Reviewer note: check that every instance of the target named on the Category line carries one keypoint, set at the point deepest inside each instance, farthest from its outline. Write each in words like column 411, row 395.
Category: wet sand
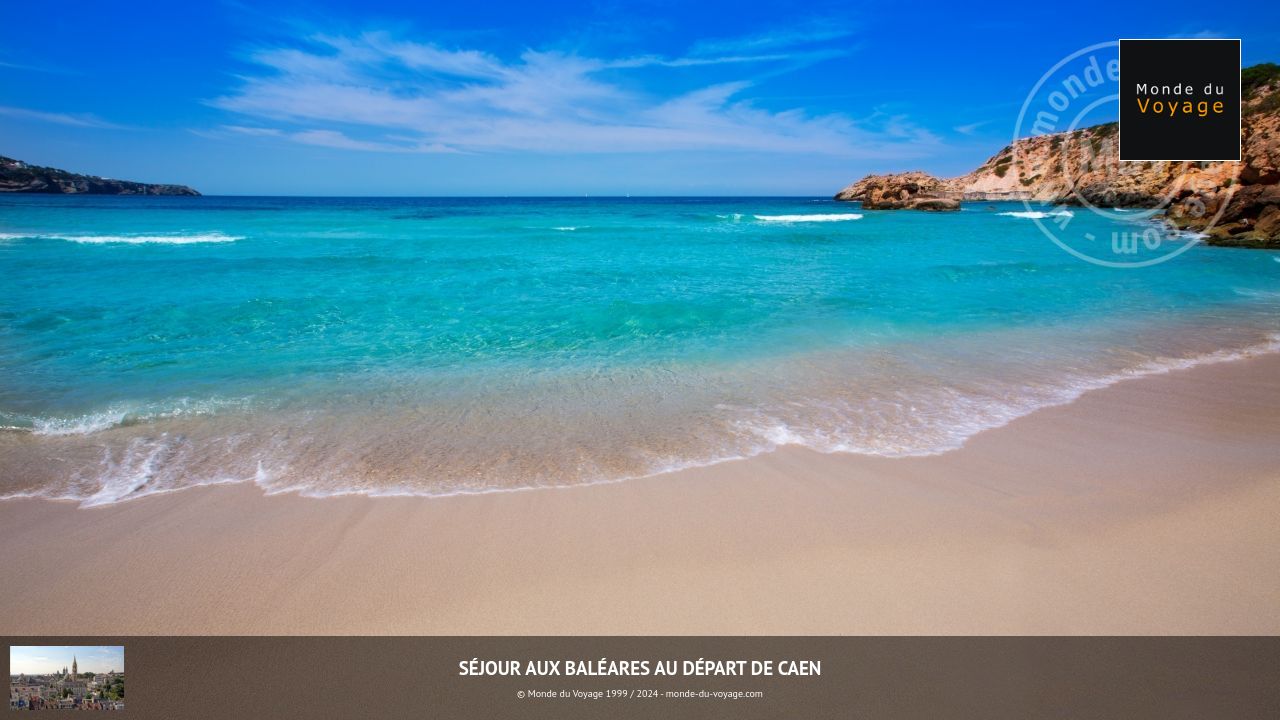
column 1148, row 507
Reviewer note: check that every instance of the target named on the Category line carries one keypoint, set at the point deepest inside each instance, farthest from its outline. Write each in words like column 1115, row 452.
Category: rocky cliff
column 1084, row 164
column 19, row 177
column 913, row 190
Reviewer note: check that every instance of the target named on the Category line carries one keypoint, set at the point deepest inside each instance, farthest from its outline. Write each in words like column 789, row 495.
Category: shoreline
column 1065, row 395
column 1143, row 507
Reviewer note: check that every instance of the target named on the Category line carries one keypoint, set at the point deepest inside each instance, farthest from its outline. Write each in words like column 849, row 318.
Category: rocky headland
column 1083, row 165
column 914, row 190
column 19, row 177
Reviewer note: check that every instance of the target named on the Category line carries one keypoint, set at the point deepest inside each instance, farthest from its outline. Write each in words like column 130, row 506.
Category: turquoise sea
column 436, row 346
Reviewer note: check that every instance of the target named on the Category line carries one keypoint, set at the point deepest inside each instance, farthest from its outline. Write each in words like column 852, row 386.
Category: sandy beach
column 1148, row 507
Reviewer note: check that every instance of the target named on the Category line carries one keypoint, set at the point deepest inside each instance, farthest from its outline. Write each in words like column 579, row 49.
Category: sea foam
column 1037, row 214
column 167, row 239
column 166, row 461
column 825, row 217
column 118, row 415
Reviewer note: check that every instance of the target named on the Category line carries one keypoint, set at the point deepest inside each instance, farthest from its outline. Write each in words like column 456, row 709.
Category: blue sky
column 605, row 98
column 45, row 659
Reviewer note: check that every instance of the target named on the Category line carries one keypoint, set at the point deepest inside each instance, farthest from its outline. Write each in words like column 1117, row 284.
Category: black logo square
column 1180, row 100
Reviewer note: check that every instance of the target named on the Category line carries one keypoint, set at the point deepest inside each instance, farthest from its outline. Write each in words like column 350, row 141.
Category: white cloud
column 36, row 68
column 335, row 139
column 1198, row 35
column 256, row 131
column 376, row 92
column 329, row 138
column 971, row 128
column 811, row 32
column 76, row 120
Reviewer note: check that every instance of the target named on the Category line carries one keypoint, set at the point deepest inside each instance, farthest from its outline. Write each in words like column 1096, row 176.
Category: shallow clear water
column 433, row 346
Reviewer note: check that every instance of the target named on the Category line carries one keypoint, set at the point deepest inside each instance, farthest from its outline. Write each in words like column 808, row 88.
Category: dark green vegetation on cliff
column 19, row 177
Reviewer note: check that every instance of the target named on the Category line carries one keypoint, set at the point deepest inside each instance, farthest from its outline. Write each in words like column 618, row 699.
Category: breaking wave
column 117, row 415
column 166, row 239
column 1037, row 214
column 824, row 217
column 368, row 455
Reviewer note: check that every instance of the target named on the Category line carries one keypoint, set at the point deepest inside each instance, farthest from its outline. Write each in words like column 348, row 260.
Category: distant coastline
column 17, row 176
